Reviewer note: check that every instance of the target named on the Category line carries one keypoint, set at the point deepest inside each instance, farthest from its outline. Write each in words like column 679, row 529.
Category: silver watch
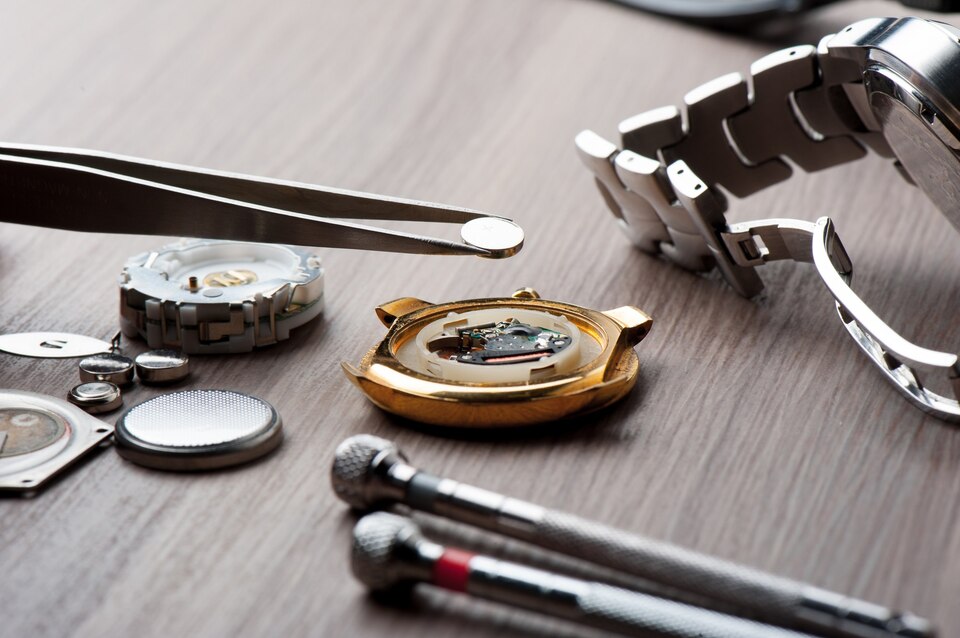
column 885, row 84
column 211, row 296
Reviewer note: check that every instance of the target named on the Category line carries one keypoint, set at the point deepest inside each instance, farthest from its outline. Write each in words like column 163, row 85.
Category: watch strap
column 802, row 104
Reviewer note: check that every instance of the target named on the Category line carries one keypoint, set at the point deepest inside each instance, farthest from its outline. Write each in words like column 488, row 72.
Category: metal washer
column 198, row 430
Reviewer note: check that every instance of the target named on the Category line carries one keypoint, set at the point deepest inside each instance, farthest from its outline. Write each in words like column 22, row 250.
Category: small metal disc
column 52, row 345
column 162, row 366
column 111, row 367
column 501, row 237
column 96, row 397
column 198, row 430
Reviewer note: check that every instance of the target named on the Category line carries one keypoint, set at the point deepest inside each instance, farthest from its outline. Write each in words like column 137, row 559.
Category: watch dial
column 933, row 165
column 23, row 430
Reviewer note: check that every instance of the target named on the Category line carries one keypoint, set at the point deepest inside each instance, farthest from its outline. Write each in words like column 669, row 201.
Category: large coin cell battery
column 216, row 297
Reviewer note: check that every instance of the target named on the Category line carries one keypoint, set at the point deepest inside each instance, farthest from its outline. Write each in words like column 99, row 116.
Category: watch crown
column 526, row 293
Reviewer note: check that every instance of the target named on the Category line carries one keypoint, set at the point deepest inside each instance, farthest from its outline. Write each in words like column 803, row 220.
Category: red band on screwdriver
column 452, row 570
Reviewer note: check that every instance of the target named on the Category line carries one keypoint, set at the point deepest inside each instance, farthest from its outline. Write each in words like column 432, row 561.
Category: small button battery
column 114, row 368
column 96, row 397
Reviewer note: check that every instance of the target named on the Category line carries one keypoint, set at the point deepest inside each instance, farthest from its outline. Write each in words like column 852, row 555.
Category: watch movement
column 217, row 296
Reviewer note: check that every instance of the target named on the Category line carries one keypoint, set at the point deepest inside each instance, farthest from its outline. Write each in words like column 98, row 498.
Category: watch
column 500, row 362
column 211, row 296
column 885, row 84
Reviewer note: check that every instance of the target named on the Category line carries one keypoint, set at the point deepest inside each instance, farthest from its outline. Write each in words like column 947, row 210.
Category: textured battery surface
column 197, row 418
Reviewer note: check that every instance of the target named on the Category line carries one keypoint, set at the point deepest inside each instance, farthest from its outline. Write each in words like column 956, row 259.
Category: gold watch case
column 605, row 373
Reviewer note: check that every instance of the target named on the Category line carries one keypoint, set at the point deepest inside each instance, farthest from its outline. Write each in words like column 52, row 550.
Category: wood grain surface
column 757, row 431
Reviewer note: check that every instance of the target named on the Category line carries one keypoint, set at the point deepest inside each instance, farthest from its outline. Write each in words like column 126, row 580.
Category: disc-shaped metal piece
column 96, row 397
column 52, row 345
column 40, row 436
column 217, row 297
column 111, row 367
column 162, row 366
column 501, row 237
column 198, row 430
column 921, row 137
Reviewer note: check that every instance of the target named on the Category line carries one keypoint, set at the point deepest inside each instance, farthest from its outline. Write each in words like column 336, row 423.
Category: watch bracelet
column 801, row 103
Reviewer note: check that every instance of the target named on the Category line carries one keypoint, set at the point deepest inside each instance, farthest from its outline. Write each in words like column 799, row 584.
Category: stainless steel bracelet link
column 804, row 104
column 758, row 242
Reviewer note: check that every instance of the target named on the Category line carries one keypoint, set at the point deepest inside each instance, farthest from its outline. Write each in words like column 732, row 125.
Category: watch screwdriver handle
column 668, row 564
column 770, row 597
column 370, row 472
column 390, row 551
column 621, row 610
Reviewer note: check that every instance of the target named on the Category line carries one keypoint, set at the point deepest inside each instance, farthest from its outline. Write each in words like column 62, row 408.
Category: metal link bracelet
column 805, row 104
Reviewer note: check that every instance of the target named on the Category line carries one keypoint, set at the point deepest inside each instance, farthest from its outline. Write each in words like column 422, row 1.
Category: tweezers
column 83, row 190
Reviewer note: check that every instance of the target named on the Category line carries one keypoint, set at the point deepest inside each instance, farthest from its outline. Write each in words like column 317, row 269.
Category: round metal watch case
column 398, row 376
column 909, row 68
column 219, row 297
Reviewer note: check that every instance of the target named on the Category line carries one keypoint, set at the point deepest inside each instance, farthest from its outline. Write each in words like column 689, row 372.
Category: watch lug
column 353, row 373
column 387, row 313
column 634, row 323
column 852, row 42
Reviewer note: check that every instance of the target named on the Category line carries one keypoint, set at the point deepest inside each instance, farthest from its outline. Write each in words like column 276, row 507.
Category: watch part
column 26, row 431
column 207, row 296
column 918, row 133
column 495, row 346
column 40, row 436
column 162, row 366
column 52, row 345
column 500, row 362
column 112, row 367
column 198, row 430
column 96, row 397
column 501, row 237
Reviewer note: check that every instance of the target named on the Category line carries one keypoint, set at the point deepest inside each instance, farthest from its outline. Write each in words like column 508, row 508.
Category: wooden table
column 757, row 432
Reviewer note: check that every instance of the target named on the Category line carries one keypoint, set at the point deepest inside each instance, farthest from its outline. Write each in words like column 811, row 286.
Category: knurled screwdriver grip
column 369, row 471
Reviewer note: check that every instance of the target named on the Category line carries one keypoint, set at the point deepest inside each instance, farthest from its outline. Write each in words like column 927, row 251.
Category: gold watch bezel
column 421, row 397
